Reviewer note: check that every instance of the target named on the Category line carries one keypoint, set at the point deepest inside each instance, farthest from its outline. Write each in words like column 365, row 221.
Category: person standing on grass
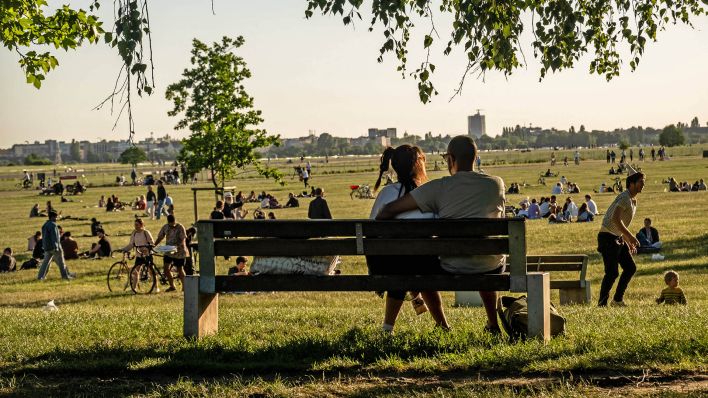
column 52, row 249
column 616, row 243
column 161, row 196
column 175, row 235
column 464, row 194
column 305, row 177
column 319, row 210
column 151, row 201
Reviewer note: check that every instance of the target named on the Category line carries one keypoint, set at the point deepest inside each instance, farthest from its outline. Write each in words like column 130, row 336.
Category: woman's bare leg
column 434, row 302
column 393, row 307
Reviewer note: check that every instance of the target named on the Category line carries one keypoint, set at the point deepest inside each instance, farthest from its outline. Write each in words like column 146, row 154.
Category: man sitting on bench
column 465, row 194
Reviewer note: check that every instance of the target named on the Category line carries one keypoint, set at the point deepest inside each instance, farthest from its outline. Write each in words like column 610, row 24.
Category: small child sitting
column 672, row 294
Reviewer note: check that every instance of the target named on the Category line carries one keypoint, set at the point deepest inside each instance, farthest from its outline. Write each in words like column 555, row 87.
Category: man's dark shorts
column 177, row 262
column 143, row 260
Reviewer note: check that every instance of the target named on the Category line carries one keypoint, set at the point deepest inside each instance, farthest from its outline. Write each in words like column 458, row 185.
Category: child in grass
column 672, row 294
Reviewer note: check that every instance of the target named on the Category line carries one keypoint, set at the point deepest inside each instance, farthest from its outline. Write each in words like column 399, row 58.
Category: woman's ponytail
column 383, row 167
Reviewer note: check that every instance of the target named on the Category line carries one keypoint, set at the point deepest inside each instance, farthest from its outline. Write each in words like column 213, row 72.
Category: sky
column 318, row 75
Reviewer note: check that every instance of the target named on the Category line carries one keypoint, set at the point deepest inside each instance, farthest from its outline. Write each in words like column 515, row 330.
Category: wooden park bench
column 361, row 237
column 571, row 291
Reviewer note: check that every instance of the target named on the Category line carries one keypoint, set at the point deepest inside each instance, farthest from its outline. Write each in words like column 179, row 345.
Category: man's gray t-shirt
column 467, row 194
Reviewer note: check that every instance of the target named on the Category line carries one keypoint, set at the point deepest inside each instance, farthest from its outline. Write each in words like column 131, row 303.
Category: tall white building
column 476, row 125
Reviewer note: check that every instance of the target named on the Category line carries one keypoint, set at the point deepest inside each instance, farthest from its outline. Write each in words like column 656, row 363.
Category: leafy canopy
column 24, row 24
column 132, row 156
column 489, row 31
column 671, row 136
column 215, row 107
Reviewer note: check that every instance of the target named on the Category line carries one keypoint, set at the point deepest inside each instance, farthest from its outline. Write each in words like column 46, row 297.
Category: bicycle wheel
column 142, row 279
column 118, row 278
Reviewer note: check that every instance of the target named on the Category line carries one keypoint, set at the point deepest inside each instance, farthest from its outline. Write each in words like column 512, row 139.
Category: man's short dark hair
column 67, row 234
column 634, row 178
column 240, row 259
column 171, row 218
column 464, row 151
column 318, row 191
column 52, row 214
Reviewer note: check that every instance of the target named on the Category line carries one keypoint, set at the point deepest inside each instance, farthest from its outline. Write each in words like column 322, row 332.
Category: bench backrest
column 562, row 263
column 362, row 237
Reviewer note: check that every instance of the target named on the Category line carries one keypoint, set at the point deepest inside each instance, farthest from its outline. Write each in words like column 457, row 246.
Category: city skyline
column 319, row 75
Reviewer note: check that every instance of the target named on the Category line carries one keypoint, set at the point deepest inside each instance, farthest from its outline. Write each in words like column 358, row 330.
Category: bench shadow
column 349, row 352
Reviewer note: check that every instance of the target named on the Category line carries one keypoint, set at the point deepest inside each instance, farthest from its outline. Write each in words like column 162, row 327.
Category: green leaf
column 427, row 41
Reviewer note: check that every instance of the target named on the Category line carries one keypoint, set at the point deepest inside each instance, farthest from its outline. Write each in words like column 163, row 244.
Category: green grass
column 304, row 344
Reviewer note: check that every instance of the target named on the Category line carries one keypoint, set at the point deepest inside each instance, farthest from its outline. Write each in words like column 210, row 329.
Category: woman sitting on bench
column 409, row 164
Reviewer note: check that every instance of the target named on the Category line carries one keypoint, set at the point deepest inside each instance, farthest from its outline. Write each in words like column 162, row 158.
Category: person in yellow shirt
column 672, row 294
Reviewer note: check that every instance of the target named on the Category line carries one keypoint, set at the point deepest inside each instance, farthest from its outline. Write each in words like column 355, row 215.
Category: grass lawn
column 316, row 344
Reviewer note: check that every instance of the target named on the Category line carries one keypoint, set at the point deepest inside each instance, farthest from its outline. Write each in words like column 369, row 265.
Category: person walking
column 319, row 210
column 52, row 249
column 175, row 235
column 161, row 196
column 616, row 243
column 151, row 201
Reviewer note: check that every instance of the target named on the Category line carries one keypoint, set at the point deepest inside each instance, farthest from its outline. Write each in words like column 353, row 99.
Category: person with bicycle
column 175, row 235
column 140, row 240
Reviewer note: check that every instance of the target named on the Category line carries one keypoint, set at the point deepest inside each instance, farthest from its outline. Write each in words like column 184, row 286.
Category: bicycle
column 118, row 278
column 143, row 277
column 24, row 184
column 361, row 192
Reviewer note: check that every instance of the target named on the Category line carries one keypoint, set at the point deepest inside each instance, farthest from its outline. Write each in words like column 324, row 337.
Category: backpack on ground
column 515, row 317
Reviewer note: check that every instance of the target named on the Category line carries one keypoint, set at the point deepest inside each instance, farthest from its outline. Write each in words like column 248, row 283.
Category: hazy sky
column 319, row 75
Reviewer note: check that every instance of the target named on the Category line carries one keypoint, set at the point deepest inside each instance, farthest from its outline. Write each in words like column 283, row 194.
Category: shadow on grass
column 675, row 250
column 63, row 301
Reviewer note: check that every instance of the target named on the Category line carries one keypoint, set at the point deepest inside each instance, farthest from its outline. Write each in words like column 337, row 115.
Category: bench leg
column 201, row 311
column 539, row 302
column 580, row 295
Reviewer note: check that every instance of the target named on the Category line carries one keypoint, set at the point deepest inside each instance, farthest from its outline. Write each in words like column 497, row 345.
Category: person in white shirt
column 570, row 209
column 409, row 164
column 524, row 211
column 592, row 206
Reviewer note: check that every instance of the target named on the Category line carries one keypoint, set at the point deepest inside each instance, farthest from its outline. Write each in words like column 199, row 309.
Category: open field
column 313, row 344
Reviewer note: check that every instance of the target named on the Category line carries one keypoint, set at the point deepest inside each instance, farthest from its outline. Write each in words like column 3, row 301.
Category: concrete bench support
column 539, row 302
column 201, row 310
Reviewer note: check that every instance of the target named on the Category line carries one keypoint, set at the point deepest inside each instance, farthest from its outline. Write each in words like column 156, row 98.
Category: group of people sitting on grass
column 675, row 186
column 565, row 186
column 112, row 203
column 513, row 188
column 549, row 208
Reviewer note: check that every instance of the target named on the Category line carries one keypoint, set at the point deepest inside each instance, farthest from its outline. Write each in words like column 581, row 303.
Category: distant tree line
column 516, row 137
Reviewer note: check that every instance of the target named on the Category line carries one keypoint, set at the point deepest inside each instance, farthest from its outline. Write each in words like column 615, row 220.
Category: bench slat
column 567, row 284
column 343, row 228
column 543, row 267
column 350, row 283
column 348, row 246
column 566, row 258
